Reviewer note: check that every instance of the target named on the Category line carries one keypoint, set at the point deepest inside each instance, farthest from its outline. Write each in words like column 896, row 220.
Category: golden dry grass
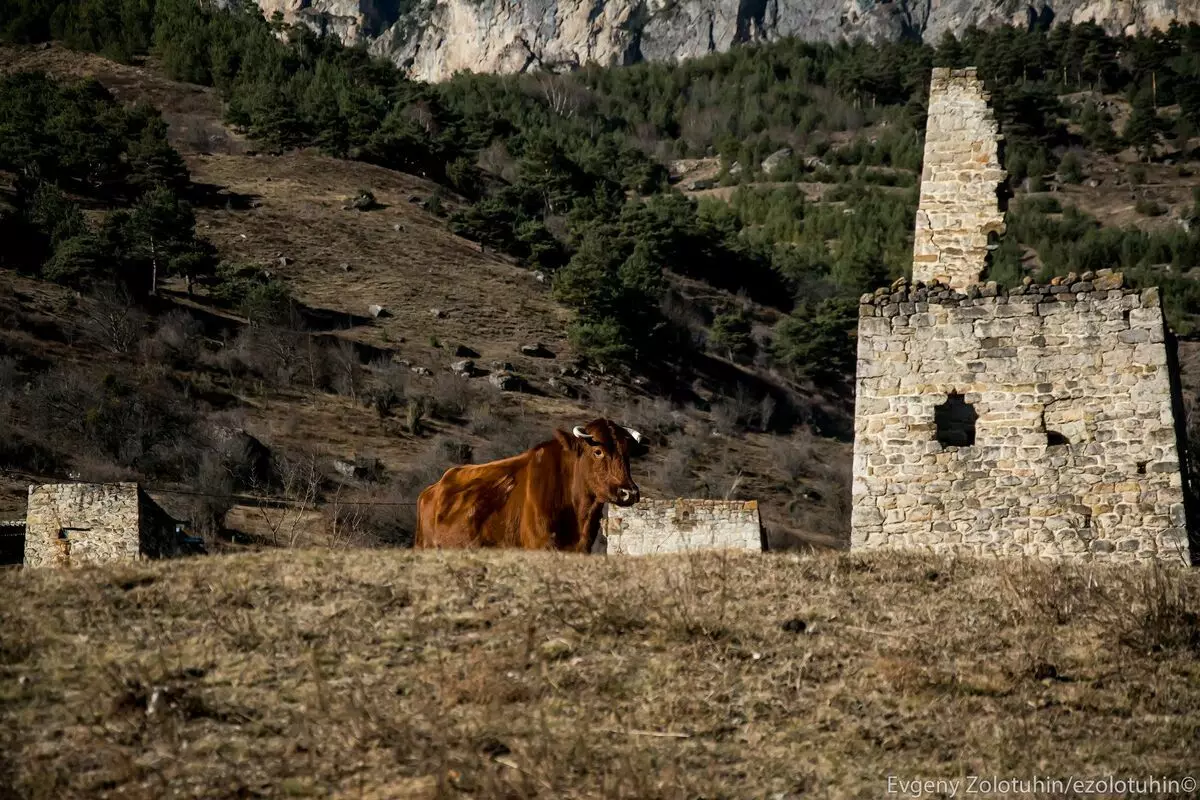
column 395, row 674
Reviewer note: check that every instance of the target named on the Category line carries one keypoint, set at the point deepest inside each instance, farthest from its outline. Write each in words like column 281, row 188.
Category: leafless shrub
column 517, row 434
column 485, row 420
column 271, row 354
column 496, row 159
column 414, row 415
column 345, row 371
column 656, row 418
column 794, row 457
column 451, row 451
column 1166, row 616
column 175, row 341
column 387, row 387
column 206, row 511
column 678, row 473
column 298, row 481
column 684, row 316
column 113, row 321
column 450, row 398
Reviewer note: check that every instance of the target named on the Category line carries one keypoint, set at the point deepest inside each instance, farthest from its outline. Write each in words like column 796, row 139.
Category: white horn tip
column 581, row 433
column 637, row 437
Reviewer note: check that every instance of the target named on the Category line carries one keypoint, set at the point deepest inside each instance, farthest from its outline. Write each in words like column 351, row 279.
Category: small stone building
column 76, row 523
column 670, row 526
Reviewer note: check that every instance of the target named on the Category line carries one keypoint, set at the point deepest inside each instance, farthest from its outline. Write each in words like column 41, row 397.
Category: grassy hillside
column 686, row 242
column 396, row 675
column 308, row 391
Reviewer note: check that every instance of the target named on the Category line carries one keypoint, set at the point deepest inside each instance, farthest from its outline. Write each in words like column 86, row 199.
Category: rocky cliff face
column 433, row 39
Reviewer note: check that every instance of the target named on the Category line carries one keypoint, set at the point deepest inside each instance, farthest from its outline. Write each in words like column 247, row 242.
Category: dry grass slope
column 394, row 675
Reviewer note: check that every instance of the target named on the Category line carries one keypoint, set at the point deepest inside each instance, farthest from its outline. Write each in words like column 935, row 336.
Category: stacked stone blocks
column 76, row 523
column 670, row 526
column 958, row 208
column 1075, row 451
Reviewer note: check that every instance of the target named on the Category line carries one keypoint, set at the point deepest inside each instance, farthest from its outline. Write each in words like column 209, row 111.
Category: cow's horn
column 581, row 433
column 637, row 437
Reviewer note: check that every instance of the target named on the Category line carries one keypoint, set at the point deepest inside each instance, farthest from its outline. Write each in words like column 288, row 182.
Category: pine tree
column 1144, row 129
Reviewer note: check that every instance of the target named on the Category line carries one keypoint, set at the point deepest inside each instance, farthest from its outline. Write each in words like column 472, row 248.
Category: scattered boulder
column 378, row 311
column 464, row 368
column 700, row 184
column 398, row 227
column 462, row 351
column 437, row 313
column 363, row 201
column 774, row 161
column 562, row 387
column 247, row 458
column 359, row 468
column 502, row 366
column 284, row 261
column 536, row 350
column 420, row 370
column 539, row 276
column 735, row 168
column 505, row 381
column 812, row 162
column 345, row 267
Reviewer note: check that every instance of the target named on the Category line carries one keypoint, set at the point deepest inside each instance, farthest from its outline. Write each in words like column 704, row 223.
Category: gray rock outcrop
column 432, row 39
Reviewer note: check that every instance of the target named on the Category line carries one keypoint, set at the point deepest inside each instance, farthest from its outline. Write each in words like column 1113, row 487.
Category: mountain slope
column 433, row 39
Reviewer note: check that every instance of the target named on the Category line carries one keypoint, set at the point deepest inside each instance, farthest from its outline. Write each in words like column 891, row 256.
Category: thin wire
column 249, row 498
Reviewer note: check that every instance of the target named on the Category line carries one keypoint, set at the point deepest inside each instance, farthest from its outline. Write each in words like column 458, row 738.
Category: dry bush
column 794, row 457
column 678, row 472
column 272, row 355
column 132, row 421
column 1166, row 613
column 655, row 417
column 296, row 479
column 486, row 420
column 515, row 434
column 112, row 320
column 176, row 341
column 342, row 367
column 722, row 479
column 206, row 511
column 387, row 387
column 450, row 397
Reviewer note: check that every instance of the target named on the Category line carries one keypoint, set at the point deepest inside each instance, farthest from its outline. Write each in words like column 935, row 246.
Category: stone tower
column 959, row 208
column 1038, row 421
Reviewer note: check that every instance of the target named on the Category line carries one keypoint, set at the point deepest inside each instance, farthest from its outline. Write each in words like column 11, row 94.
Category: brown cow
column 548, row 497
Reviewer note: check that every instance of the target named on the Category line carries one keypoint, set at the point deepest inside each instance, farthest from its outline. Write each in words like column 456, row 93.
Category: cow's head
column 603, row 448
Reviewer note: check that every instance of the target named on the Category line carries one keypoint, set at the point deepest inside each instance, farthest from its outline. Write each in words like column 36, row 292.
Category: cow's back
column 472, row 506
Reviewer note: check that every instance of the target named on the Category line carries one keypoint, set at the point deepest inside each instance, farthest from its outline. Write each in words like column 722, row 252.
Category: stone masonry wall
column 958, row 207
column 1075, row 450
column 70, row 524
column 668, row 526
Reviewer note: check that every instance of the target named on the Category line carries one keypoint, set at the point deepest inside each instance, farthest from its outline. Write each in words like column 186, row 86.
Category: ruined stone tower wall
column 958, row 207
column 1036, row 421
column 1074, row 451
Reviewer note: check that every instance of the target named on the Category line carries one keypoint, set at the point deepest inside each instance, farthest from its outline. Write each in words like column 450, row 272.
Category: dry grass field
column 390, row 674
